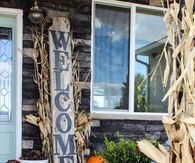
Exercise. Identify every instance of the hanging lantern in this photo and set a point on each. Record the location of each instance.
(36, 15)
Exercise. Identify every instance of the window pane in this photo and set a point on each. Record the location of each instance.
(5, 74)
(150, 39)
(111, 58)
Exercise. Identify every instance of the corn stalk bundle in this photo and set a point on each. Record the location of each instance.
(83, 121)
(180, 68)
(41, 78)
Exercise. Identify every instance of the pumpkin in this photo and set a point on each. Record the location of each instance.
(95, 159)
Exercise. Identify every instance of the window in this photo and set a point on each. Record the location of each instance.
(127, 41)
(5, 73)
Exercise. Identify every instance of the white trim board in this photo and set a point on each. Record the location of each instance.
(18, 14)
(123, 116)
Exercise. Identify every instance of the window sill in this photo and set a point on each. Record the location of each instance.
(128, 116)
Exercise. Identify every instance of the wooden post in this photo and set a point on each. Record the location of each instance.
(61, 91)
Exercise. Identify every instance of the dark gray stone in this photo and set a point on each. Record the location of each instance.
(30, 94)
(26, 101)
(133, 135)
(30, 130)
(82, 42)
(28, 74)
(153, 135)
(30, 86)
(27, 44)
(36, 142)
(134, 127)
(27, 60)
(163, 137)
(153, 127)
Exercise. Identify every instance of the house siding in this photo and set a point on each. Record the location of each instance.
(80, 19)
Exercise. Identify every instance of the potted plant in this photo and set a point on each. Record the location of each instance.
(124, 151)
(41, 78)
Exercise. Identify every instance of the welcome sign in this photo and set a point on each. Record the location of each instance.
(61, 91)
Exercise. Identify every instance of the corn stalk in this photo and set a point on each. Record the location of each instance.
(41, 78)
(83, 121)
(180, 67)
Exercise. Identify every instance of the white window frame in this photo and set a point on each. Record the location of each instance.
(18, 14)
(128, 114)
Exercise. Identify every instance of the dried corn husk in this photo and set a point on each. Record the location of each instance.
(41, 78)
(151, 151)
(83, 121)
(180, 123)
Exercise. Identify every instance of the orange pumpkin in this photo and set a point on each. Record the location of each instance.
(95, 159)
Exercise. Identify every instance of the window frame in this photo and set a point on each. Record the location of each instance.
(130, 113)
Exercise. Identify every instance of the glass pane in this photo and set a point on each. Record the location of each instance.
(150, 40)
(111, 58)
(5, 73)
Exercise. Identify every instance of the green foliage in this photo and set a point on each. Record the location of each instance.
(140, 94)
(124, 151)
(124, 101)
(141, 104)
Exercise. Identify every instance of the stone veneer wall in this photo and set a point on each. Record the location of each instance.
(80, 19)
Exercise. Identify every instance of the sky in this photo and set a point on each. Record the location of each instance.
(112, 41)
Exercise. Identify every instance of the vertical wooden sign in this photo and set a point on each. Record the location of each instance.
(61, 91)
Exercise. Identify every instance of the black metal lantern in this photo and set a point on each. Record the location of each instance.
(36, 15)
